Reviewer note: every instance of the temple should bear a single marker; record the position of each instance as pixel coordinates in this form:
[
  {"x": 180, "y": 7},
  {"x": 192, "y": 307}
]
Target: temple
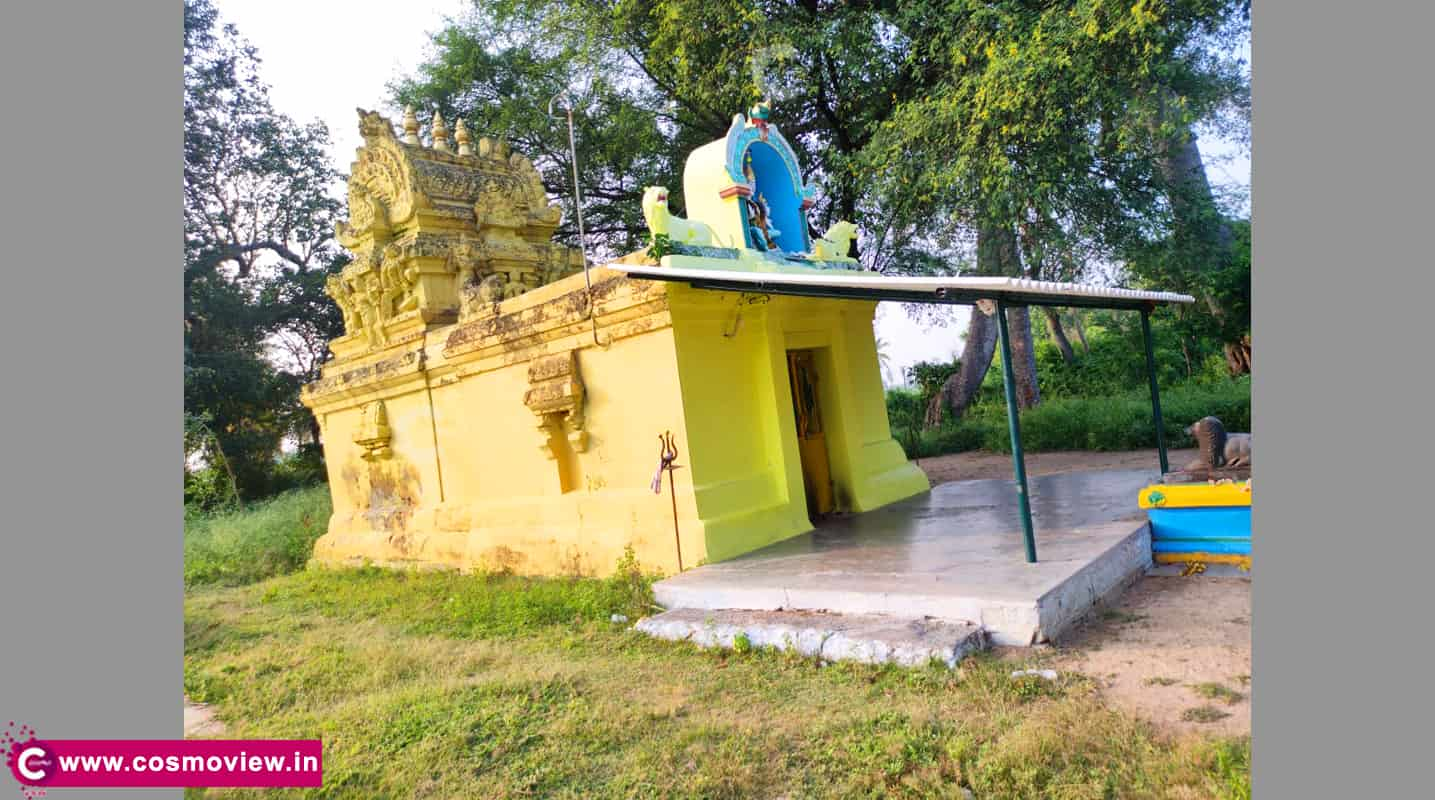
[{"x": 493, "y": 407}]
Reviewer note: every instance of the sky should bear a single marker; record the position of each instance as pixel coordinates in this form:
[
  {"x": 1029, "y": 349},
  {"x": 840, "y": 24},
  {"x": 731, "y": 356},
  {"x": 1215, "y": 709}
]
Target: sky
[{"x": 324, "y": 58}]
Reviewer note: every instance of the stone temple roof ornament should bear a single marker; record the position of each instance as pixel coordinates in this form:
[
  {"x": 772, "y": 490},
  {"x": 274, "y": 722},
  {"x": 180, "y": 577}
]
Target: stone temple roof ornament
[
  {"x": 428, "y": 225},
  {"x": 461, "y": 136},
  {"x": 440, "y": 133},
  {"x": 411, "y": 126}
]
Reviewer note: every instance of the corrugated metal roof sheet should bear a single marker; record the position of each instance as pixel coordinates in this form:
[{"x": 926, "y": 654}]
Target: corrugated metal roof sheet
[{"x": 872, "y": 286}]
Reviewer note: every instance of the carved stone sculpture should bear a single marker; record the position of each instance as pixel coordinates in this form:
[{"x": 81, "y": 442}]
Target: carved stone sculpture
[
  {"x": 661, "y": 222},
  {"x": 1218, "y": 450},
  {"x": 836, "y": 242},
  {"x": 425, "y": 222}
]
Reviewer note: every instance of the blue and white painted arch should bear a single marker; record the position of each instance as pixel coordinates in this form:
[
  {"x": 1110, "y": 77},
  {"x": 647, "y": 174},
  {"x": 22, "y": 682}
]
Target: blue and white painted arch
[{"x": 777, "y": 179}]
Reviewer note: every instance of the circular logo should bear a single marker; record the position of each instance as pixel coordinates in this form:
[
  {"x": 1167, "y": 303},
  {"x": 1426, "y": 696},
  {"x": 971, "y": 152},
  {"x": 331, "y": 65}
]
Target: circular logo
[{"x": 33, "y": 763}]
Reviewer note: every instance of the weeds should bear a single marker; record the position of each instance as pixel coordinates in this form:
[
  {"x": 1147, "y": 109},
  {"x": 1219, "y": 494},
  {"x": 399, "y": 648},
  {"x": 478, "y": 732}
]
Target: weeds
[
  {"x": 272, "y": 537},
  {"x": 1203, "y": 714},
  {"x": 1217, "y": 691}
]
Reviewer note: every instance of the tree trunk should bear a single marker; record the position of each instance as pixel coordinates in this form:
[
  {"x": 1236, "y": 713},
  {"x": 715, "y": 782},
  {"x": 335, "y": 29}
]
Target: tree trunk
[
  {"x": 1192, "y": 204},
  {"x": 1058, "y": 334},
  {"x": 1080, "y": 331},
  {"x": 1200, "y": 227},
  {"x": 1023, "y": 357},
  {"x": 996, "y": 255},
  {"x": 961, "y": 387},
  {"x": 1238, "y": 356}
]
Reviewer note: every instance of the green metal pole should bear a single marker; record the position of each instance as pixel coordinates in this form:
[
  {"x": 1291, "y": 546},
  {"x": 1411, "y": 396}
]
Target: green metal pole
[
  {"x": 1018, "y": 458},
  {"x": 1155, "y": 392}
]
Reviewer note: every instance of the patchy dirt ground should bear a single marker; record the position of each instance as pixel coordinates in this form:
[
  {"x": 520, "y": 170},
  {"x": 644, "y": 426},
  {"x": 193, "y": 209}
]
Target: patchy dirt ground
[
  {"x": 981, "y": 464},
  {"x": 199, "y": 720},
  {"x": 1174, "y": 650}
]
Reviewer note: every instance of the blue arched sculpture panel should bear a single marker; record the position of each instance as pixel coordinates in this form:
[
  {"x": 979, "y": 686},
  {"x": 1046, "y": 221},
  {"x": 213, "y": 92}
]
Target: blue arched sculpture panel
[
  {"x": 776, "y": 179},
  {"x": 775, "y": 185}
]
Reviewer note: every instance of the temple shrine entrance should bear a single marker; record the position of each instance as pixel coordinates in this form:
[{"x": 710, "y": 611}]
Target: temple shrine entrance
[{"x": 811, "y": 441}]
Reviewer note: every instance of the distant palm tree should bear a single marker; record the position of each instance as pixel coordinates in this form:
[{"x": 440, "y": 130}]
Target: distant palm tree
[{"x": 884, "y": 361}]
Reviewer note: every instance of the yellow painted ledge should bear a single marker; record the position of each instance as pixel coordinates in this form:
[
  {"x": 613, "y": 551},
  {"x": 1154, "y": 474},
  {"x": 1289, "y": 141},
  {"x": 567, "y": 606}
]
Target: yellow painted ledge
[
  {"x": 1242, "y": 561},
  {"x": 1195, "y": 495}
]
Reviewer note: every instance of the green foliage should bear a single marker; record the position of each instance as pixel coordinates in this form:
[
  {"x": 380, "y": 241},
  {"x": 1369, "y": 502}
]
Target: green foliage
[
  {"x": 1052, "y": 119},
  {"x": 929, "y": 376},
  {"x": 654, "y": 80},
  {"x": 1116, "y": 363},
  {"x": 1118, "y": 422},
  {"x": 258, "y": 220},
  {"x": 208, "y": 491},
  {"x": 1230, "y": 770},
  {"x": 298, "y": 470},
  {"x": 905, "y": 408},
  {"x": 662, "y": 245},
  {"x": 267, "y": 538},
  {"x": 1221, "y": 278},
  {"x": 742, "y": 643}
]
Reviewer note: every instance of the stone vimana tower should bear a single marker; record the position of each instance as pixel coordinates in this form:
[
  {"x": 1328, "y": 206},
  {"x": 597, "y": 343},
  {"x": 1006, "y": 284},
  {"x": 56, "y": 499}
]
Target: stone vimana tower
[{"x": 427, "y": 223}]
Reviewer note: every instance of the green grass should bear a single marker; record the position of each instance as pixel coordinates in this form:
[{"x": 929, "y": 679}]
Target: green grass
[
  {"x": 1121, "y": 422},
  {"x": 426, "y": 684},
  {"x": 1216, "y": 691},
  {"x": 272, "y": 537},
  {"x": 1118, "y": 617},
  {"x": 1203, "y": 714}
]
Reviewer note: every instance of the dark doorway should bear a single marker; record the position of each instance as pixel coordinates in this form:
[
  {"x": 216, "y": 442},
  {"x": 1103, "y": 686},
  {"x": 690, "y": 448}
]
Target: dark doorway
[{"x": 811, "y": 440}]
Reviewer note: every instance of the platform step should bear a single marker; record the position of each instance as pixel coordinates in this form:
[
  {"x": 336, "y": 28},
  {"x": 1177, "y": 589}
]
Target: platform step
[{"x": 868, "y": 638}]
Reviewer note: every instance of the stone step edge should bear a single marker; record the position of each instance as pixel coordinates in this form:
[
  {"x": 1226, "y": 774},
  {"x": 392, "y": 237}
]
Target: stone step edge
[{"x": 865, "y": 638}]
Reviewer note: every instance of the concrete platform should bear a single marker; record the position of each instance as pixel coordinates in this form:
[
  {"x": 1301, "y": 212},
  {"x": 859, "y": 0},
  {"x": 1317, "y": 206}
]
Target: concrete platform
[
  {"x": 868, "y": 638},
  {"x": 954, "y": 554}
]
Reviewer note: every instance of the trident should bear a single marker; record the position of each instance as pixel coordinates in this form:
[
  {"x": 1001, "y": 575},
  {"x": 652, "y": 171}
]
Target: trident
[{"x": 667, "y": 454}]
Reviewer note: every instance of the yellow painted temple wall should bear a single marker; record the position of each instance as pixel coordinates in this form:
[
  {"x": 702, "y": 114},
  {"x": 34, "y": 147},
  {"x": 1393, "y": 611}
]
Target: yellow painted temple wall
[
  {"x": 468, "y": 485},
  {"x": 732, "y": 357},
  {"x": 476, "y": 415}
]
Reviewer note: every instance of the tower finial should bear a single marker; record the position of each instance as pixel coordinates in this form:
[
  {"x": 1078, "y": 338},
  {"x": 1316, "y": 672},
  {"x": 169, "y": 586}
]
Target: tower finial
[
  {"x": 461, "y": 136},
  {"x": 411, "y": 126},
  {"x": 440, "y": 133}
]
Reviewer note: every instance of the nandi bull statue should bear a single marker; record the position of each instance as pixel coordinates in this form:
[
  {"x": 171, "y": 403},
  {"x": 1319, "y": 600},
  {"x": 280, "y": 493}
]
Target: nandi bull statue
[
  {"x": 1218, "y": 450},
  {"x": 661, "y": 222}
]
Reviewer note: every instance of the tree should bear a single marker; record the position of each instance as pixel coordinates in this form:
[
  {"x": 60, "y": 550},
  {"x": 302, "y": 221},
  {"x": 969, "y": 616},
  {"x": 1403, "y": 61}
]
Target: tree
[
  {"x": 935, "y": 123},
  {"x": 1041, "y": 122},
  {"x": 258, "y": 220},
  {"x": 654, "y": 80}
]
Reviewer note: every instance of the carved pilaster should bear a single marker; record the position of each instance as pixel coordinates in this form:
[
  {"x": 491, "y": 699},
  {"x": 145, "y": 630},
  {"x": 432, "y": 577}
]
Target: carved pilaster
[
  {"x": 373, "y": 434},
  {"x": 555, "y": 395}
]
